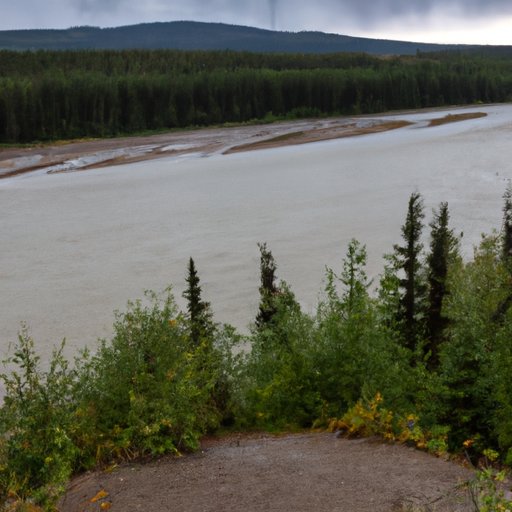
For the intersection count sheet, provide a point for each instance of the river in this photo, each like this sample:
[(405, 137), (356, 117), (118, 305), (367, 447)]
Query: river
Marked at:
[(76, 246)]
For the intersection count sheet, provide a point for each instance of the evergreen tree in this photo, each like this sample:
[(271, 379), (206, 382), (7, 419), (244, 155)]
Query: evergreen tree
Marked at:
[(199, 312), (268, 288), (507, 225), (467, 399), (506, 248), (412, 285), (354, 278), (443, 251)]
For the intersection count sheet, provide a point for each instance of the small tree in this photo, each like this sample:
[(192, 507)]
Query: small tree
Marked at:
[(199, 312), (354, 277), (443, 251), (268, 288), (354, 280), (412, 285)]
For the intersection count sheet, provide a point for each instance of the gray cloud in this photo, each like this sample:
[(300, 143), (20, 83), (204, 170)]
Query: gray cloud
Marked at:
[(374, 8), (250, 11), (92, 6)]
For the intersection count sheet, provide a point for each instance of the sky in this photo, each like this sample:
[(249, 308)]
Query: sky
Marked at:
[(440, 21)]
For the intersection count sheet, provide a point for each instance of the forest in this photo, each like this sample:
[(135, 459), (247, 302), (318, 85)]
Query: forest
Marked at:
[(51, 95), (423, 357)]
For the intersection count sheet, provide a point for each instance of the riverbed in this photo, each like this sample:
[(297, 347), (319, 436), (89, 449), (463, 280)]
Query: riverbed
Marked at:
[(78, 245)]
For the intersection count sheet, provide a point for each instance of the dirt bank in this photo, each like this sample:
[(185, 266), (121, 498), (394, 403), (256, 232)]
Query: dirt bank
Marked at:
[(297, 473)]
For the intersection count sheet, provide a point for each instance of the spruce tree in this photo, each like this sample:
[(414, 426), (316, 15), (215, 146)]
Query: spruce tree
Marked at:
[(268, 288), (507, 227), (199, 313), (354, 278), (412, 285), (443, 251), (506, 251)]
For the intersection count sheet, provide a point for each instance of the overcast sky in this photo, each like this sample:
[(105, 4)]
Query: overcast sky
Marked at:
[(443, 21)]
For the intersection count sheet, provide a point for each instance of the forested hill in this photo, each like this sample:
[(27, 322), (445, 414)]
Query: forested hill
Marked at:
[(188, 35)]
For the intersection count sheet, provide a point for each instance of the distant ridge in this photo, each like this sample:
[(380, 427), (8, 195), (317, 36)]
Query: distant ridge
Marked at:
[(191, 35)]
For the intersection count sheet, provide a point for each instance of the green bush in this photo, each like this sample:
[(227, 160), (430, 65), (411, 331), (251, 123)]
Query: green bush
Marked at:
[(356, 353), (37, 453), (304, 368), (277, 376), (149, 390), (468, 399)]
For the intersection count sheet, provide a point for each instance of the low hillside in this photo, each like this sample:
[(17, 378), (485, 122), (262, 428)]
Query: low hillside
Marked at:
[(189, 35)]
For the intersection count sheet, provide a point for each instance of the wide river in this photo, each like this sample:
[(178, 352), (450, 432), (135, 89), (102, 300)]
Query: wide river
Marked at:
[(76, 246)]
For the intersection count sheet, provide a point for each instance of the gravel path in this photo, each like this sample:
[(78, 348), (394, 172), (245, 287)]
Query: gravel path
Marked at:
[(306, 472)]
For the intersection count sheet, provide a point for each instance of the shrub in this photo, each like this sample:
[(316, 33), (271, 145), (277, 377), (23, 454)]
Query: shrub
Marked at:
[(370, 418), (486, 489), (149, 390), (276, 377), (37, 452)]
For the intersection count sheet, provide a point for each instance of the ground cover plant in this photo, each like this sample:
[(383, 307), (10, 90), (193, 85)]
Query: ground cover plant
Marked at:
[(422, 357)]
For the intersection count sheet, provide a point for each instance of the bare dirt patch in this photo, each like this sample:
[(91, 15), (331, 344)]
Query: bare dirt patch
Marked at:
[(320, 134), (303, 472), (454, 118)]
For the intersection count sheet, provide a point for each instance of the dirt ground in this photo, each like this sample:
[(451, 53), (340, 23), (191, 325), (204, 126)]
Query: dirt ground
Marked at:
[(304, 472)]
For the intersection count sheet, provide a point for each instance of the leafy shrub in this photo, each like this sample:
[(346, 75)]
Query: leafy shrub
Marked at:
[(277, 376), (502, 371), (149, 390), (37, 452), (371, 418), (365, 420), (487, 487), (355, 352), (468, 399)]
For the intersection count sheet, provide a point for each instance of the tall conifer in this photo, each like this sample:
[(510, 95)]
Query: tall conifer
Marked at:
[(199, 312), (268, 288), (507, 226), (443, 251), (412, 285)]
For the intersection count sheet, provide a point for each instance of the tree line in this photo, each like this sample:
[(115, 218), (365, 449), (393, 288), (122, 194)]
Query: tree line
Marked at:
[(46, 95), (425, 357)]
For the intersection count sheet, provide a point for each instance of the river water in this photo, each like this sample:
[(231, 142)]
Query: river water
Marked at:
[(76, 246)]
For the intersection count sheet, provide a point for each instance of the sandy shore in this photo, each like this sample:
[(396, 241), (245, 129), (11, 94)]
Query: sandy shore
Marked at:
[(89, 154)]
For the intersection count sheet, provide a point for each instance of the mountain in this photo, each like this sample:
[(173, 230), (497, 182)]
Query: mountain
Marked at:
[(190, 35)]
